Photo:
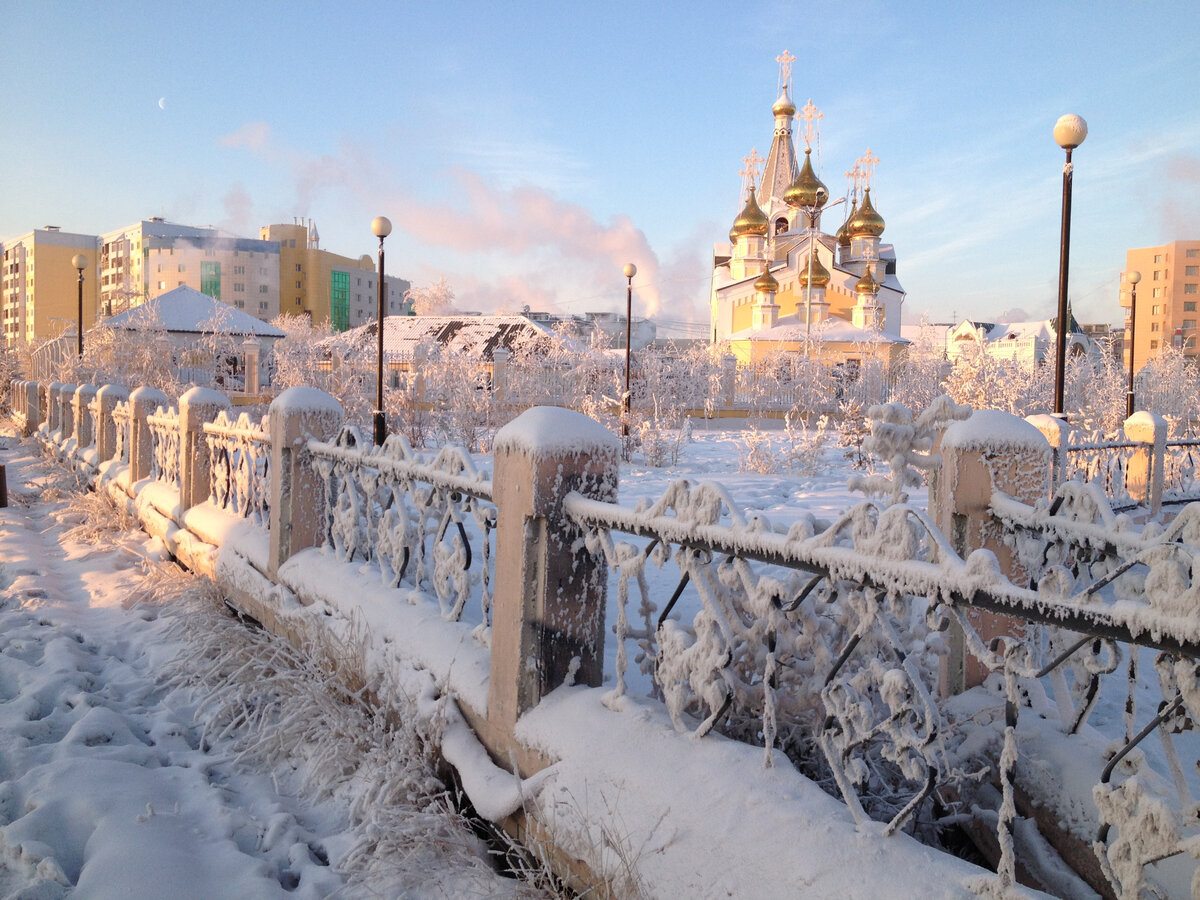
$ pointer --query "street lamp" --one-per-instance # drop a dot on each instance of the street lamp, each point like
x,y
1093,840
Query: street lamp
x,y
79,262
381,227
630,270
1069,132
1132,278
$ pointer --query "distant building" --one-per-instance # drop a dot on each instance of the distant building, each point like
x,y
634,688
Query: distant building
x,y
1166,299
1027,343
149,258
327,287
609,324
39,287
784,284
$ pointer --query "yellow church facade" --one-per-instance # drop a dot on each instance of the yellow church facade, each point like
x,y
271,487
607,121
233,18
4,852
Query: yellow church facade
x,y
783,284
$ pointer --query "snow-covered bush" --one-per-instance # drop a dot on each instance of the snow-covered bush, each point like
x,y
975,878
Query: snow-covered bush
x,y
903,444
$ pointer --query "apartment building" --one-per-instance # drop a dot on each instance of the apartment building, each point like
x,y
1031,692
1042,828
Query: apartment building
x,y
1166,299
148,258
39,287
327,287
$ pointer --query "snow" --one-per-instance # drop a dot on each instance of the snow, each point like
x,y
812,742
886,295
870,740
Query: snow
x,y
186,310
996,430
622,789
551,431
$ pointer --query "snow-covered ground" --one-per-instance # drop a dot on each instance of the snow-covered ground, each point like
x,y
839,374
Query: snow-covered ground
x,y
152,746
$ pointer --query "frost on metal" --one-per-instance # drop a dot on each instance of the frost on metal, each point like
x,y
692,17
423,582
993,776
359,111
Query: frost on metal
x,y
905,445
239,466
165,434
410,515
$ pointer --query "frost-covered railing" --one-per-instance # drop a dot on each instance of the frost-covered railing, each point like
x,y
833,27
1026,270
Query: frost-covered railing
x,y
122,416
166,433
1180,481
1076,550
239,461
426,518
830,637
1105,464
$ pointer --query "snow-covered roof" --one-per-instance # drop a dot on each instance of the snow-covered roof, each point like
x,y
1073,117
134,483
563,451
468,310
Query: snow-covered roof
x,y
473,335
1041,330
187,310
831,330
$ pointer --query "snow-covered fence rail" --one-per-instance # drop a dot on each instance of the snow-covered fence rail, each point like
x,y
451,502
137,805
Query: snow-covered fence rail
x,y
410,514
165,434
1104,464
239,470
1181,480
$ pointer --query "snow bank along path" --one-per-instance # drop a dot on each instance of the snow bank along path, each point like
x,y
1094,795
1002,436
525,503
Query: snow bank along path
x,y
152,747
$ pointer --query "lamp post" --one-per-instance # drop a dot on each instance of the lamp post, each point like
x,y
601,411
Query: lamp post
x,y
381,227
630,270
79,262
1069,132
1132,278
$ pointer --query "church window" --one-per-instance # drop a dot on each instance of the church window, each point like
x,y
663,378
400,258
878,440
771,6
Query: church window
x,y
781,225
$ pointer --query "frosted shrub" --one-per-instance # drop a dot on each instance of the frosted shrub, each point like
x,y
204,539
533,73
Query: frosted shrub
x,y
662,438
903,445
806,446
756,454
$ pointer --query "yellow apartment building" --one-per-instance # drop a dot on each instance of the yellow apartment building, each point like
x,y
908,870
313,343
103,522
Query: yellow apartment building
x,y
39,290
327,287
1166,299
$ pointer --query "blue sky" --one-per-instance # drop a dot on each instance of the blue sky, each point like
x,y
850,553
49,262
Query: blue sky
x,y
526,151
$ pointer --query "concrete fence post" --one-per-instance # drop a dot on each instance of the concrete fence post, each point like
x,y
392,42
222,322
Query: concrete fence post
x,y
548,609
50,403
33,417
250,349
1144,478
991,451
85,431
142,404
107,398
500,358
297,499
1057,433
197,406
420,357
66,411
44,404
728,380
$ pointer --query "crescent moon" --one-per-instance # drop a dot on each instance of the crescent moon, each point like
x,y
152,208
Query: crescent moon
x,y
162,102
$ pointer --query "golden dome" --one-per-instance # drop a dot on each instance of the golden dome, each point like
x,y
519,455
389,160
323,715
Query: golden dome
x,y
819,276
843,233
807,191
866,220
867,284
751,220
766,283
784,105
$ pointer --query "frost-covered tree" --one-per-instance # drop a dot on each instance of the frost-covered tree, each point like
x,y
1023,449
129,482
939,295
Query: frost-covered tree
x,y
435,300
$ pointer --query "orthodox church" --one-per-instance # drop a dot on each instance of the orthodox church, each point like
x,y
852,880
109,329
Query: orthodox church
x,y
783,283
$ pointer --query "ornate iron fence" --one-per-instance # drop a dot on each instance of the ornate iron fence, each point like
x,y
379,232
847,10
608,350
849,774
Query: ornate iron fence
x,y
239,466
411,515
166,434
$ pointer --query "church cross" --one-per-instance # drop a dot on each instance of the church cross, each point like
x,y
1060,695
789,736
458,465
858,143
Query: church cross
x,y
785,60
868,161
812,121
751,166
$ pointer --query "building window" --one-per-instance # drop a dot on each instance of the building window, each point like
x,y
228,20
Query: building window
x,y
1158,257
1154,345
1154,326
262,289
298,269
1191,270
182,267
1156,274
1156,310
239,270
1158,292
298,285
239,304
1189,324
297,301
1189,305
162,285
1189,289
239,288
1192,254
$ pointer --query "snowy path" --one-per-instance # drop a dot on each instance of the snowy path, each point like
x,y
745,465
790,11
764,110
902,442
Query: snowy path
x,y
141,756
